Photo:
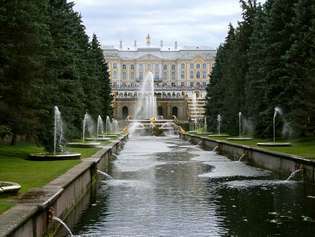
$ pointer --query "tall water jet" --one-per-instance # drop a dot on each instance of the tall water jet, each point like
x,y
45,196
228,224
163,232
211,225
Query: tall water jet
x,y
115,126
146,103
240,124
108,125
219,120
146,106
240,130
277,111
99,127
58,129
58,153
88,125
205,125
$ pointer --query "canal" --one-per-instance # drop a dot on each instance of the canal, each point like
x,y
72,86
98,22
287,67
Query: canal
x,y
163,186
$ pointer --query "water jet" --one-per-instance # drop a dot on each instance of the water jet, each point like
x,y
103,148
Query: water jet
x,y
277,111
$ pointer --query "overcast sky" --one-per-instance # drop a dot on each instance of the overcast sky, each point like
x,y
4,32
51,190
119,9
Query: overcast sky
x,y
192,23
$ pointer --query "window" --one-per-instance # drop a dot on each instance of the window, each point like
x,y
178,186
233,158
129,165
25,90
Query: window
x,y
182,75
124,76
124,66
183,66
204,75
160,111
182,84
204,66
175,111
132,67
140,67
165,67
141,75
115,65
198,75
191,74
125,112
114,75
156,75
204,84
132,75
165,75
157,67
173,84
173,67
191,66
191,84
173,76
198,66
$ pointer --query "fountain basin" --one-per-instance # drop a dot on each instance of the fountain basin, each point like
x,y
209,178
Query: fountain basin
x,y
84,144
274,144
9,187
112,135
98,139
51,157
239,138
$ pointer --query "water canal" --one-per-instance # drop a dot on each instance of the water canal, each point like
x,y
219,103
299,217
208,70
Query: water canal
x,y
164,186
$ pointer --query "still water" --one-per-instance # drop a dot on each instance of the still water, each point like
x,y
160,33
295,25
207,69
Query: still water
x,y
164,186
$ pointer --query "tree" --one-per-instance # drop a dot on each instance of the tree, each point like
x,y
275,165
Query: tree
x,y
25,41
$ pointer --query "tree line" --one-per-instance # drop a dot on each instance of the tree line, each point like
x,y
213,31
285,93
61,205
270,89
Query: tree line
x,y
267,60
47,59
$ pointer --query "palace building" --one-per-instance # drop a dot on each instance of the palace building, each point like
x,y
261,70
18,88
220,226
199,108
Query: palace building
x,y
181,76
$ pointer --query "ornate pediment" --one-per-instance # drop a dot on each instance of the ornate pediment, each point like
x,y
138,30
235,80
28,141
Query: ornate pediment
x,y
148,57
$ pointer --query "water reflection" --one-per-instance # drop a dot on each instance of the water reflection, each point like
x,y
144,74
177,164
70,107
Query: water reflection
x,y
166,187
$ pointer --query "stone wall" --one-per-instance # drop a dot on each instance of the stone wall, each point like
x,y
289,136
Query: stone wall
x,y
64,197
280,163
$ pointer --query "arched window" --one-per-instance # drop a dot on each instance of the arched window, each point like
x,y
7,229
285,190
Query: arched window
x,y
125,112
175,111
198,75
160,111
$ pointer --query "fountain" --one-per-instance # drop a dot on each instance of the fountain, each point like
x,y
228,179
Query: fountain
x,y
87,126
219,122
112,128
108,125
277,111
58,129
9,187
107,176
115,127
168,128
100,127
146,107
58,153
240,130
63,224
293,174
99,131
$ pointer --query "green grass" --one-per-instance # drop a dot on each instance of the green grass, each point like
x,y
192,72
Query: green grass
x,y
304,147
30,174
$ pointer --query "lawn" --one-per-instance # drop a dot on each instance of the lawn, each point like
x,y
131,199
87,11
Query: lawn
x,y
304,147
29,174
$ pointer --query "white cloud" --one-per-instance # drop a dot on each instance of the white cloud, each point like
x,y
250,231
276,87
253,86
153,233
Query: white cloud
x,y
198,22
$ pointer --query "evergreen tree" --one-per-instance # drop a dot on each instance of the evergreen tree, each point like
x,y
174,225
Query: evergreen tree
x,y
25,41
299,67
